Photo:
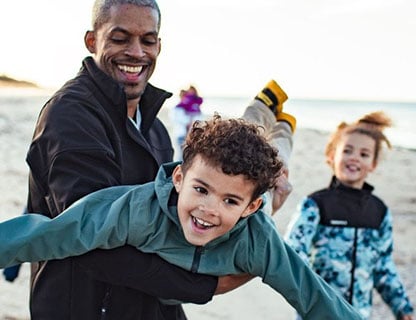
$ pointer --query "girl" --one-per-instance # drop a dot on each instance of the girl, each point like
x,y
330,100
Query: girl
x,y
344,231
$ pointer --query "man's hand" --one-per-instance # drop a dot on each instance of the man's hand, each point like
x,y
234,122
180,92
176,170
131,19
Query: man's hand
x,y
231,282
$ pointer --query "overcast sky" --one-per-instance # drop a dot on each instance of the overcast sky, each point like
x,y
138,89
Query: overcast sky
x,y
342,49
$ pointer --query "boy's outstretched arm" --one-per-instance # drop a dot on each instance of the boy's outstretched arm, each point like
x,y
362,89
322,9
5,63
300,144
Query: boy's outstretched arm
x,y
88,224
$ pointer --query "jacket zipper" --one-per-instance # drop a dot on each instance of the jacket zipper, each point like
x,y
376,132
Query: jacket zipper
x,y
353,262
197,258
106,304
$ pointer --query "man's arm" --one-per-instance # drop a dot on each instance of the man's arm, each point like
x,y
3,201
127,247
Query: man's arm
x,y
148,273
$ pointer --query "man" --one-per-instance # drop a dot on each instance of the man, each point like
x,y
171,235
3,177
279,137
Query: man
x,y
99,130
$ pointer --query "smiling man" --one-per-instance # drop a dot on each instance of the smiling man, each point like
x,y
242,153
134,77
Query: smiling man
x,y
101,130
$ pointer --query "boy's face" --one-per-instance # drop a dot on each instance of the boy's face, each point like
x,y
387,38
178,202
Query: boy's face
x,y
211,202
353,159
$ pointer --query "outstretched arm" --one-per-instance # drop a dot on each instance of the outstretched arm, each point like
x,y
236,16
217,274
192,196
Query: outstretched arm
x,y
93,222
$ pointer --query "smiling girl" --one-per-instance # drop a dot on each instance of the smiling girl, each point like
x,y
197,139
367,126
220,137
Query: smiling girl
x,y
344,231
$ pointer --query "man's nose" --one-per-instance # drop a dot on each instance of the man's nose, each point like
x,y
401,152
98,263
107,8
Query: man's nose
x,y
135,49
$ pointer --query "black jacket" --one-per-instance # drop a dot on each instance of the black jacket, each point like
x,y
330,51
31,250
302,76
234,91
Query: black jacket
x,y
84,141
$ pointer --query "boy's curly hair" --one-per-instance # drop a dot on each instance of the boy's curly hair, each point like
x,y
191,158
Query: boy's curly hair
x,y
237,147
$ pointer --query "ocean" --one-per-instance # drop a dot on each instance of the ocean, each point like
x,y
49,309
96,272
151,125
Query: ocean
x,y
322,115
325,115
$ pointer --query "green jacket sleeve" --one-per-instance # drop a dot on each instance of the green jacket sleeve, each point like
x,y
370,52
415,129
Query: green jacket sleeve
x,y
99,220
285,271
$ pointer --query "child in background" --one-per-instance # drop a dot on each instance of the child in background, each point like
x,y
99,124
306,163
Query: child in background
x,y
203,215
183,115
344,231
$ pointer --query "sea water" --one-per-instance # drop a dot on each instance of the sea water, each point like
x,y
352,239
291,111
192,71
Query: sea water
x,y
325,115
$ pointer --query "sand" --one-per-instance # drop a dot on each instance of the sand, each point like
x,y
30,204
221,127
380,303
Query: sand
x,y
394,182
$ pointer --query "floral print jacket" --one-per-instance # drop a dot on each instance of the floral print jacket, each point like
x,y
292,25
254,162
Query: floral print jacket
x,y
346,236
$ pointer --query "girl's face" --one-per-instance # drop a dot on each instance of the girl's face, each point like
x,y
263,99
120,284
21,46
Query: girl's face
x,y
211,202
353,159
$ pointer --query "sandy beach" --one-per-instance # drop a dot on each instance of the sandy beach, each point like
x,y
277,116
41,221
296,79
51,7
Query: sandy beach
x,y
394,182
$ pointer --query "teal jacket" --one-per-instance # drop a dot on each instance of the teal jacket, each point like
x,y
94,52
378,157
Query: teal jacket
x,y
145,216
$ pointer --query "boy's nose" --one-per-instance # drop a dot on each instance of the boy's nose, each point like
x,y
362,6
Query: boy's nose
x,y
210,206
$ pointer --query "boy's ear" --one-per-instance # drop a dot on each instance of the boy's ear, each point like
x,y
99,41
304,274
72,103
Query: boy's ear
x,y
177,177
252,207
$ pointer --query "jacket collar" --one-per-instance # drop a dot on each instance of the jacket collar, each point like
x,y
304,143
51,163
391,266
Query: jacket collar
x,y
335,184
150,102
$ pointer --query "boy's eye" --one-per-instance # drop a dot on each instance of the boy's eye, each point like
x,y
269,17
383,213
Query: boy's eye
x,y
201,190
230,201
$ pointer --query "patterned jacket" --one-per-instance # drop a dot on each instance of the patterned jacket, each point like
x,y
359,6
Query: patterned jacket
x,y
346,235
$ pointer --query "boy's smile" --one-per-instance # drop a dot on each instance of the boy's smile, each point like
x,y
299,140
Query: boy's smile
x,y
211,202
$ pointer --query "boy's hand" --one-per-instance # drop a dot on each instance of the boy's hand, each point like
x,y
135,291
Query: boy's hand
x,y
281,191
407,317
231,282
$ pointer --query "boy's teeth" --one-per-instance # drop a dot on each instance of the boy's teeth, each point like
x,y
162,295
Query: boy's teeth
x,y
130,69
203,223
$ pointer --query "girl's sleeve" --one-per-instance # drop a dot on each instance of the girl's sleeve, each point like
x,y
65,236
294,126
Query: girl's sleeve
x,y
99,220
386,278
303,227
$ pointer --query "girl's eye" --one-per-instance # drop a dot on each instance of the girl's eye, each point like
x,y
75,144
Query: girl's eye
x,y
201,190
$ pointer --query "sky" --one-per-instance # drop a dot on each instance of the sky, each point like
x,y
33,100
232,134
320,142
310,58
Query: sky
x,y
324,49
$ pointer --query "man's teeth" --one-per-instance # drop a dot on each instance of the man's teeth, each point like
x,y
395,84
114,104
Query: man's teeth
x,y
202,222
131,69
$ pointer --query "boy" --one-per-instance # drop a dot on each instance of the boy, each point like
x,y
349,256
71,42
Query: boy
x,y
202,215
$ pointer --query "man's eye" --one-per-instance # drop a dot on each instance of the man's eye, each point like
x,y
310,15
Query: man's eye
x,y
118,40
149,41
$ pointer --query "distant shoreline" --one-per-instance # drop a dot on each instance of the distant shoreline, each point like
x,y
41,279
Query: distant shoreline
x,y
6,81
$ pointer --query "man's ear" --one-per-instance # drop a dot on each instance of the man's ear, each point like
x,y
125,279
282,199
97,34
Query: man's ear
x,y
89,41
252,207
160,46
177,177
